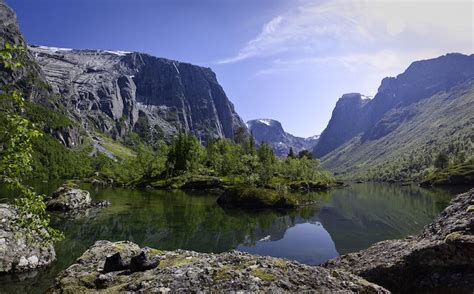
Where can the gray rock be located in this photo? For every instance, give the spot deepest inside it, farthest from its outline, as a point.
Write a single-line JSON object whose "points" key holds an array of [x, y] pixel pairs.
{"points": [[271, 132], [188, 271], [67, 198], [119, 91], [440, 258], [21, 250]]}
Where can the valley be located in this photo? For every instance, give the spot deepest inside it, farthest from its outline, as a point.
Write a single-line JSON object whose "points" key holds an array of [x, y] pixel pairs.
{"points": [[121, 171]]}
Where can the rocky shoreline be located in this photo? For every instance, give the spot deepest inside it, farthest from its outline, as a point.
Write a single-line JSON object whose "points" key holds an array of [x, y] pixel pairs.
{"points": [[188, 271], [21, 250], [439, 259]]}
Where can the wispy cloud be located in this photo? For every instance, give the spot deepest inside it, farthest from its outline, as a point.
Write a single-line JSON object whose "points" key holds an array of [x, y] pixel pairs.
{"points": [[379, 35]]}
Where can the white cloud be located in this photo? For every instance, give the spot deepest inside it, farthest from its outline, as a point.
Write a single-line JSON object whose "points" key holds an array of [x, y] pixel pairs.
{"points": [[378, 35]]}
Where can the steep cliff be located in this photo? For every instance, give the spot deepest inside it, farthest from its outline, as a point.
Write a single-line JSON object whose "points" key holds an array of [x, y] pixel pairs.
{"points": [[271, 132], [422, 79], [115, 92], [427, 110]]}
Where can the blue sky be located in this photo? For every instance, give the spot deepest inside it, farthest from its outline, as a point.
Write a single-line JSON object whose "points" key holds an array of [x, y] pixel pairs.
{"points": [[287, 60]]}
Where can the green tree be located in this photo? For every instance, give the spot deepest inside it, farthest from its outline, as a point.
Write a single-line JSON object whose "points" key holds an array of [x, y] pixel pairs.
{"points": [[185, 154], [305, 153], [16, 133], [291, 153], [267, 162], [441, 161]]}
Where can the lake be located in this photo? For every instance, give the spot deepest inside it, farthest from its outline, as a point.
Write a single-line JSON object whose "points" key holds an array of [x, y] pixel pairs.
{"points": [[342, 221]]}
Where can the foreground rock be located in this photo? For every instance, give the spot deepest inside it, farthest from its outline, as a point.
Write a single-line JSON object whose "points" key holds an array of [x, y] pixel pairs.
{"points": [[21, 250], [72, 199], [441, 258], [187, 271]]}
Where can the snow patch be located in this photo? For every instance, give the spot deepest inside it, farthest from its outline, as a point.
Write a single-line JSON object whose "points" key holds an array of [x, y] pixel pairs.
{"points": [[365, 97], [265, 121], [175, 67], [266, 238], [118, 53], [54, 48]]}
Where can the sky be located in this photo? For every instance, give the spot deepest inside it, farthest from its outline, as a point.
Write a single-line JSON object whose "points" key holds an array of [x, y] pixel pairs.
{"points": [[286, 60]]}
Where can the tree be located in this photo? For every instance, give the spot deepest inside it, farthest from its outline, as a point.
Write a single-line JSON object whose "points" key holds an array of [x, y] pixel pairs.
{"points": [[185, 154], [240, 135], [441, 161], [305, 154], [291, 154], [16, 133], [267, 161]]}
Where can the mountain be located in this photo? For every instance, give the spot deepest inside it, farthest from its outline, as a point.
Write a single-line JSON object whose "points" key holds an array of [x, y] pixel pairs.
{"points": [[116, 92], [271, 132], [426, 110]]}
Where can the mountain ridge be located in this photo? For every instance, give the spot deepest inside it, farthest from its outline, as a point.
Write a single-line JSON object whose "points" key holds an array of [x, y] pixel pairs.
{"points": [[271, 131], [362, 139]]}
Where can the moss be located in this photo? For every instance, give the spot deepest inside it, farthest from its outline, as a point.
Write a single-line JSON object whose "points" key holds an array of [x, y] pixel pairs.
{"points": [[178, 260], [453, 236], [281, 263], [222, 273], [119, 246], [156, 251], [263, 275]]}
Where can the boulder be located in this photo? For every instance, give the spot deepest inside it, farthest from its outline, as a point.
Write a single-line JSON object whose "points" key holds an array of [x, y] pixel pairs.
{"points": [[21, 250], [188, 271], [440, 258], [68, 198]]}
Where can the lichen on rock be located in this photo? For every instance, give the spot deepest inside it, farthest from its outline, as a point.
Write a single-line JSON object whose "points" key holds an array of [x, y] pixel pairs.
{"points": [[188, 271], [21, 250]]}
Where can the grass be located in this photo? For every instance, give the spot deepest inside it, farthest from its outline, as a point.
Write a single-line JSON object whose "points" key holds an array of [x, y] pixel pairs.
{"points": [[442, 122], [116, 147], [461, 173]]}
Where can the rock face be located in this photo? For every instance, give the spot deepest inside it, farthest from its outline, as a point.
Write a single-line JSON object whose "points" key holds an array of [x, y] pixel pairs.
{"points": [[187, 271], [271, 132], [117, 91], [354, 115], [347, 120], [29, 79], [17, 251], [440, 258], [66, 198]]}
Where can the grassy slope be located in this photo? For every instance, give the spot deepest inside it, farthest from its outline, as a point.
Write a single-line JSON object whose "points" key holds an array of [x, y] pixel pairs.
{"points": [[407, 152]]}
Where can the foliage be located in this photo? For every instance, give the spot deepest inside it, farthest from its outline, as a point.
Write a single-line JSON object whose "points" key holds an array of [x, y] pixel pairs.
{"points": [[185, 154], [185, 160], [16, 135], [441, 161]]}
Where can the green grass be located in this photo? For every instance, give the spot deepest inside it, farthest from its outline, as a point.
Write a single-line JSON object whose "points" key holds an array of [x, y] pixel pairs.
{"points": [[442, 122], [461, 173], [116, 147]]}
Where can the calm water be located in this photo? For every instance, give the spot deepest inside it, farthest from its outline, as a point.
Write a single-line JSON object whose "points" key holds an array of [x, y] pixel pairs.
{"points": [[345, 220]]}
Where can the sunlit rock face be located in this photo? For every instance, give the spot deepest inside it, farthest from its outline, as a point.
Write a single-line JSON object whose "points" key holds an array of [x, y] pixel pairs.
{"points": [[118, 91], [374, 118], [271, 132]]}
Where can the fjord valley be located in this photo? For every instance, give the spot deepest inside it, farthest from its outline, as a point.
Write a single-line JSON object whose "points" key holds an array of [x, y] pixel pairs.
{"points": [[121, 172]]}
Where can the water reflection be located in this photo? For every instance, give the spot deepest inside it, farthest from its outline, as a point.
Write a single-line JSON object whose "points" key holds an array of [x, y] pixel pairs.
{"points": [[344, 220]]}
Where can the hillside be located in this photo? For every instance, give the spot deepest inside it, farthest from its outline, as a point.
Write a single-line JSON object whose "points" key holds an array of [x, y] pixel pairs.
{"points": [[404, 143], [271, 132]]}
